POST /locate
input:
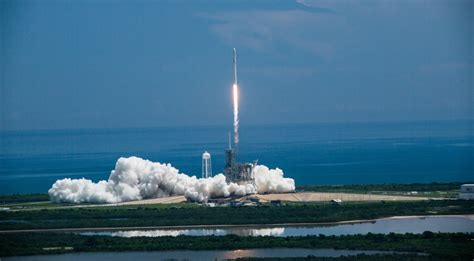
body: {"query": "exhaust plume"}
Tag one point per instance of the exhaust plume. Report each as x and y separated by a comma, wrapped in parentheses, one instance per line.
(134, 179)
(235, 92)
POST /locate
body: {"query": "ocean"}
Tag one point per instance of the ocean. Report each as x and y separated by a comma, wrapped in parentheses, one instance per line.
(332, 153)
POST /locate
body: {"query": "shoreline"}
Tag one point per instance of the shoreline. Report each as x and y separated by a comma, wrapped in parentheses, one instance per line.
(469, 216)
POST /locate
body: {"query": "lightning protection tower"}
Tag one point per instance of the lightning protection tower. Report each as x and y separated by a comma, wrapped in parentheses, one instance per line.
(206, 165)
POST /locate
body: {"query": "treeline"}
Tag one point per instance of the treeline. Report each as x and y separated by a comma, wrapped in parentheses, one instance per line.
(446, 245)
(395, 187)
(359, 257)
(136, 216)
(23, 198)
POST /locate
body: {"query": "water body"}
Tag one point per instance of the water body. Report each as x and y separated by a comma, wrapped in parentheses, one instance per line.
(355, 153)
(197, 255)
(417, 225)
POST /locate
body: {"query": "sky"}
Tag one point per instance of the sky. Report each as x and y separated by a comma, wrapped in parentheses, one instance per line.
(119, 64)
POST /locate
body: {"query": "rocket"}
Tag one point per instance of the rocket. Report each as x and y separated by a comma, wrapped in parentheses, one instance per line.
(235, 95)
(235, 66)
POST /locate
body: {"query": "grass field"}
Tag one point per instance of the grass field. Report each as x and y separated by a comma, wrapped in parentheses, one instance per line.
(194, 214)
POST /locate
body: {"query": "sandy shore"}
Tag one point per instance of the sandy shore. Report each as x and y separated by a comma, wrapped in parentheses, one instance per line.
(166, 200)
(327, 196)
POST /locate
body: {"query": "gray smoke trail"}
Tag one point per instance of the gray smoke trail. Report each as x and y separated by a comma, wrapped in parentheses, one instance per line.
(235, 91)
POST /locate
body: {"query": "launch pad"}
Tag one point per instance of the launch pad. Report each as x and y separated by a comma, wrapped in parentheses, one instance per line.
(240, 173)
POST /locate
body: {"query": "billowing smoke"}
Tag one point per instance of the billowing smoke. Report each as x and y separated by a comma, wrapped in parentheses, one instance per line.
(272, 180)
(135, 179)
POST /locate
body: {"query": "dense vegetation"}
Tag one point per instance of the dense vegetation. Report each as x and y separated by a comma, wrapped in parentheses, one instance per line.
(360, 257)
(420, 187)
(434, 189)
(22, 198)
(42, 214)
(192, 214)
(437, 244)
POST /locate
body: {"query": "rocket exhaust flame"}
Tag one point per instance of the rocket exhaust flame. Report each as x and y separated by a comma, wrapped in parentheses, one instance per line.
(235, 91)
(235, 94)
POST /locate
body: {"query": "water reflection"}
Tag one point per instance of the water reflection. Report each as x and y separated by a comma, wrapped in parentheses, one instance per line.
(447, 224)
(198, 255)
(278, 231)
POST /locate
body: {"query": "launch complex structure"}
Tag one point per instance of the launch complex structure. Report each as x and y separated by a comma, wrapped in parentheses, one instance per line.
(240, 173)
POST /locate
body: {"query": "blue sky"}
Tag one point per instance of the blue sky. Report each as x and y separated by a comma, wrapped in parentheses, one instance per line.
(108, 64)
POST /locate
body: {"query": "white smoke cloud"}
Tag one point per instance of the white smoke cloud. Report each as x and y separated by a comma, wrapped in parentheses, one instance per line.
(272, 180)
(134, 179)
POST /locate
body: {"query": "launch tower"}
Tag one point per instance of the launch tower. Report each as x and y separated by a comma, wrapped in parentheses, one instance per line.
(240, 173)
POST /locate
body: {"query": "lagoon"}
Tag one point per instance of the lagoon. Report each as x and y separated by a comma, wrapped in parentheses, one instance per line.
(197, 255)
(417, 225)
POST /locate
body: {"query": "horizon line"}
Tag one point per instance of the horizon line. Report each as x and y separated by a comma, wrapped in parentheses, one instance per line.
(216, 125)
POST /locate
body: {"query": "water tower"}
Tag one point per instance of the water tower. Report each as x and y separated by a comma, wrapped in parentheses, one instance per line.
(206, 165)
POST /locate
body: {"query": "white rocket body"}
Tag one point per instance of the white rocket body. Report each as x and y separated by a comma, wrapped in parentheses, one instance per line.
(235, 66)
